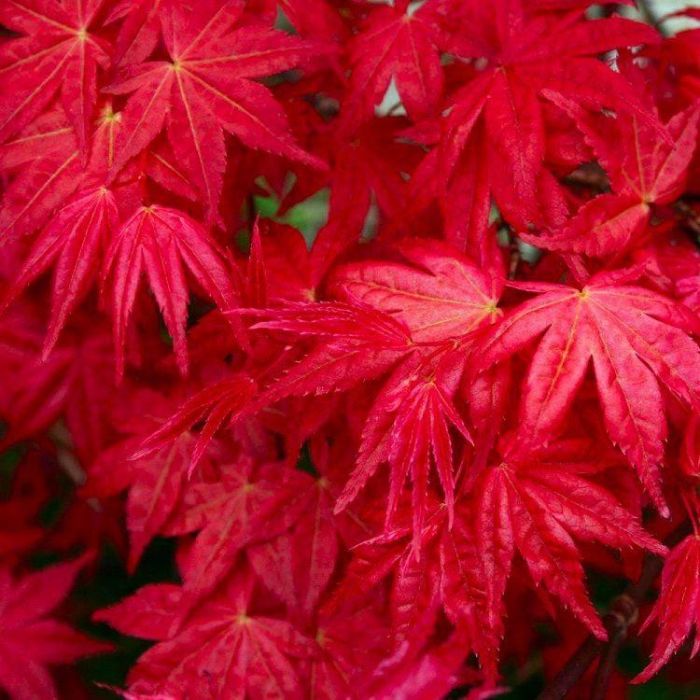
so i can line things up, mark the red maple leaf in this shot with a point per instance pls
(60, 50)
(155, 481)
(439, 296)
(225, 649)
(298, 564)
(161, 241)
(206, 88)
(49, 169)
(408, 427)
(525, 52)
(78, 379)
(33, 640)
(536, 503)
(248, 503)
(636, 340)
(415, 349)
(677, 610)
(75, 241)
(349, 644)
(647, 167)
(401, 44)
(214, 404)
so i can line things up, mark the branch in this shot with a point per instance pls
(589, 175)
(622, 614)
(574, 669)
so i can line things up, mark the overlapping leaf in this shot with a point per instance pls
(536, 504)
(60, 50)
(226, 649)
(34, 640)
(650, 169)
(637, 342)
(160, 242)
(677, 610)
(206, 88)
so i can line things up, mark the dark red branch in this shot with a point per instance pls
(623, 613)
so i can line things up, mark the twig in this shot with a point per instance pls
(574, 669)
(627, 613)
(589, 175)
(623, 613)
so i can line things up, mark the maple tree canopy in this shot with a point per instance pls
(349, 349)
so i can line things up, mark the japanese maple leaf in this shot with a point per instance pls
(367, 168)
(224, 399)
(339, 360)
(440, 296)
(537, 504)
(646, 167)
(51, 170)
(160, 242)
(148, 613)
(395, 43)
(421, 580)
(46, 158)
(464, 200)
(155, 481)
(249, 504)
(430, 673)
(155, 485)
(387, 307)
(75, 383)
(677, 609)
(33, 640)
(408, 427)
(463, 588)
(139, 29)
(413, 572)
(207, 88)
(351, 645)
(47, 134)
(75, 240)
(59, 51)
(297, 565)
(525, 53)
(637, 340)
(226, 650)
